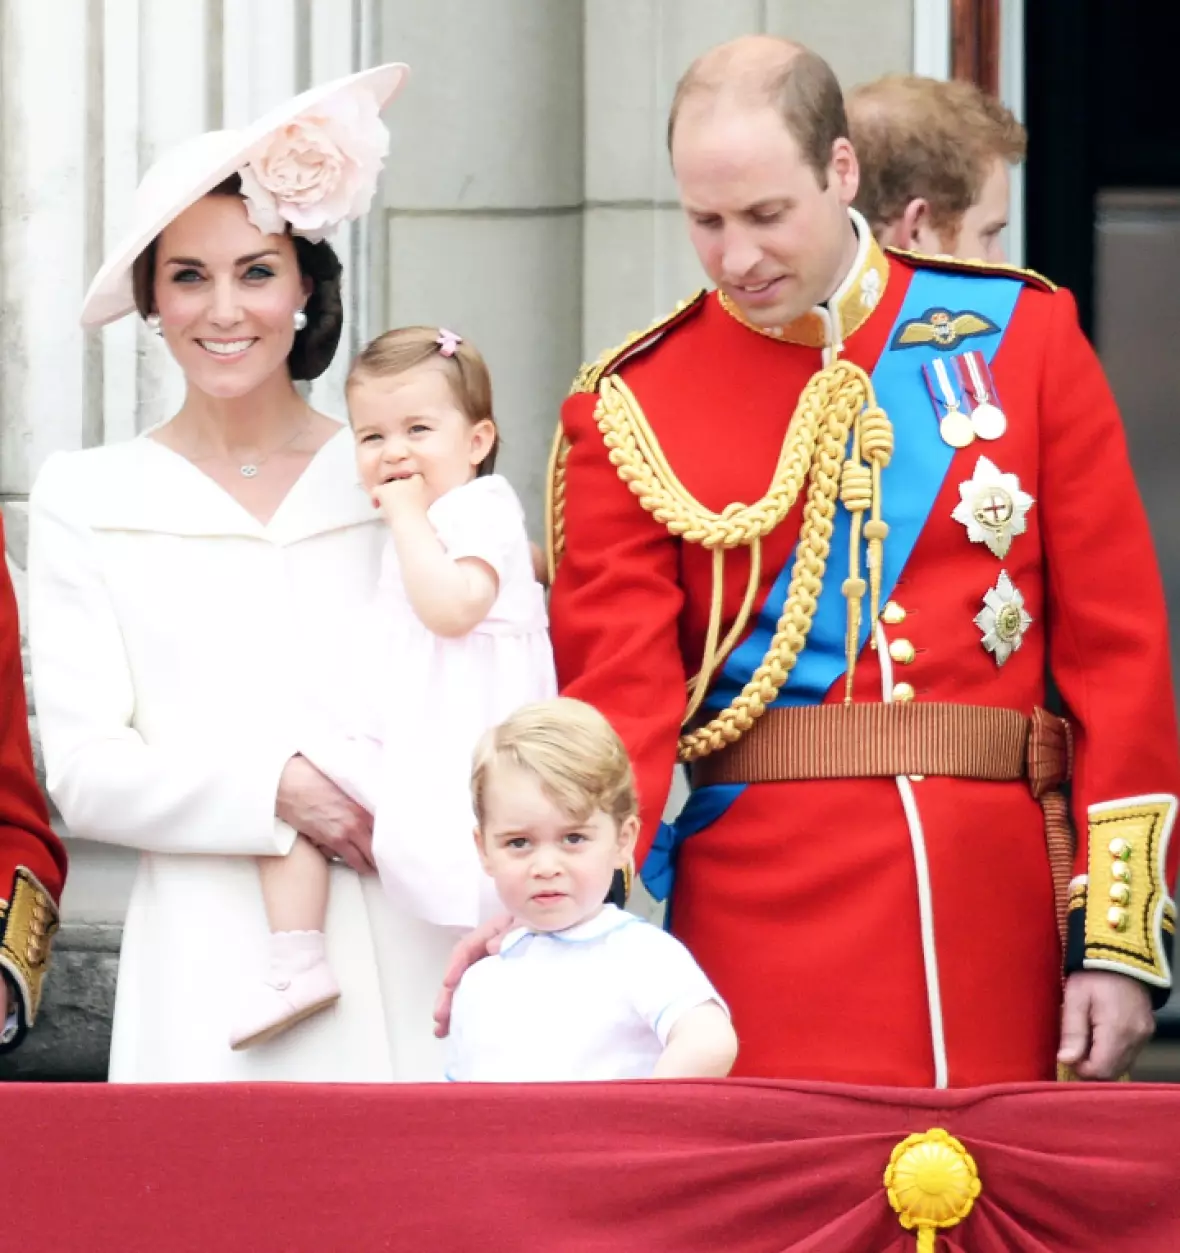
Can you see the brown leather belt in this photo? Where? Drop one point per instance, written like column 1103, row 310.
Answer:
column 866, row 741
column 877, row 740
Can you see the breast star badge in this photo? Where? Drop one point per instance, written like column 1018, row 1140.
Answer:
column 1003, row 619
column 993, row 507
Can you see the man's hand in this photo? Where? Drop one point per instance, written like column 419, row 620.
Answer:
column 1105, row 1020
column 482, row 942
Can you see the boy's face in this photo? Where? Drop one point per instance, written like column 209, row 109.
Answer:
column 550, row 871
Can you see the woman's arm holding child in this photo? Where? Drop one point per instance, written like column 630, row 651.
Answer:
column 450, row 597
column 702, row 1045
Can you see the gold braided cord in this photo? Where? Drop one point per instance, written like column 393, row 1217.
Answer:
column 713, row 659
column 637, row 456
column 813, row 452
column 856, row 492
column 876, row 446
column 555, row 501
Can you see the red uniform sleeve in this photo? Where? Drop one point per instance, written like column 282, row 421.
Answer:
column 614, row 612
column 32, row 859
column 1109, row 651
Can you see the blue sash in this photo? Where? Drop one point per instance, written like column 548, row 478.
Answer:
column 910, row 484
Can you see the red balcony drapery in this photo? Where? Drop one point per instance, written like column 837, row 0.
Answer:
column 688, row 1167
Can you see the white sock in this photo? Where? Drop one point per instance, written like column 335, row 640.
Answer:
column 292, row 952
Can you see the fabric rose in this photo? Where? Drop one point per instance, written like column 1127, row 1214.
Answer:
column 319, row 170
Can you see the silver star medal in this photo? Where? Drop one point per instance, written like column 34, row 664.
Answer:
column 1003, row 619
column 993, row 507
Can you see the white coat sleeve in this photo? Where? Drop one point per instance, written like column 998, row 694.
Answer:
column 108, row 783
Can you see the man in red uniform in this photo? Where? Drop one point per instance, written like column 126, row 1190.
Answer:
column 823, row 530
column 32, row 859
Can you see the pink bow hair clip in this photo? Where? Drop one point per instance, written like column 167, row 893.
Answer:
column 447, row 342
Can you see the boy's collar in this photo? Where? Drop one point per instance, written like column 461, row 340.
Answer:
column 609, row 918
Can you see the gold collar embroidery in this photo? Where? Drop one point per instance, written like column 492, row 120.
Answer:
column 852, row 303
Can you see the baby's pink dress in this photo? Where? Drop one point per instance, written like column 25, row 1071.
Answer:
column 432, row 698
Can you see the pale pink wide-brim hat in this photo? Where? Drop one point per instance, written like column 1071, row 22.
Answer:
column 195, row 166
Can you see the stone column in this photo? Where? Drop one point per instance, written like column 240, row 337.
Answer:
column 485, row 196
column 44, row 133
column 859, row 41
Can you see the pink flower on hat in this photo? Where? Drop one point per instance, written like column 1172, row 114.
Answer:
column 318, row 170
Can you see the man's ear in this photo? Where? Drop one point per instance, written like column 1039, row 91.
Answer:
column 915, row 225
column 844, row 171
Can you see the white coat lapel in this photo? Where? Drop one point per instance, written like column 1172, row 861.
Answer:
column 144, row 486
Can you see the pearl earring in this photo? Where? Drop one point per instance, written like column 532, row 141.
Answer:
column 153, row 324
column 300, row 320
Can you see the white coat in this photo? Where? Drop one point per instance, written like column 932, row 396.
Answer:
column 175, row 641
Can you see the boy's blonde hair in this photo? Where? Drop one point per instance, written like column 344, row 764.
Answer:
column 466, row 372
column 572, row 751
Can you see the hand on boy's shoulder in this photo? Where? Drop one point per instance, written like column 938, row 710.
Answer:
column 484, row 941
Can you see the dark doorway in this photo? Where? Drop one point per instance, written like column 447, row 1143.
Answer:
column 1100, row 81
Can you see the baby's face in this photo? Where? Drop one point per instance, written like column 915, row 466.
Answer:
column 550, row 871
column 410, row 424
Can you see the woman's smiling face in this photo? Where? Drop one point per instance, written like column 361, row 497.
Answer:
column 226, row 295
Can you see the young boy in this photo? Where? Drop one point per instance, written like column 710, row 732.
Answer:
column 580, row 990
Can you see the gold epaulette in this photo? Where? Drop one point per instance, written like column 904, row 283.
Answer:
column 590, row 375
column 992, row 269
column 28, row 921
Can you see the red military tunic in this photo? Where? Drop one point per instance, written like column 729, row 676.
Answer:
column 32, row 859
column 802, row 900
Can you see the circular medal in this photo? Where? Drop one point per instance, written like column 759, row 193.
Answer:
column 988, row 421
column 956, row 429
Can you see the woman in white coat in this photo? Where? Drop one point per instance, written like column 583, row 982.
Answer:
column 191, row 588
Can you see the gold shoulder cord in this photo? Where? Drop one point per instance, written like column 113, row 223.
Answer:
column 837, row 402
column 555, row 502
column 993, row 269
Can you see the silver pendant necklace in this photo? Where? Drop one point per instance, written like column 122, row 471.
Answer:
column 249, row 469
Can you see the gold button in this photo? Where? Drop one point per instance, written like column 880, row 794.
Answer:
column 903, row 693
column 1116, row 919
column 902, row 651
column 1120, row 871
column 892, row 614
column 1120, row 848
column 1120, row 893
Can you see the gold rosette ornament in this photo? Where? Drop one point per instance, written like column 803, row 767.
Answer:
column 932, row 1183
